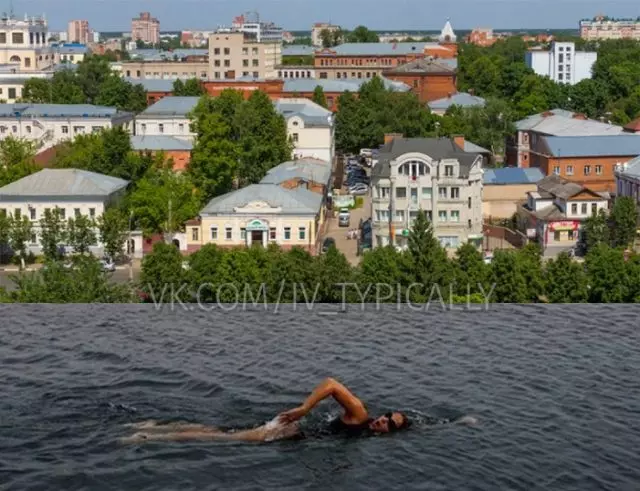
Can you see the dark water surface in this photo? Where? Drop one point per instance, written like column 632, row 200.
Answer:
column 556, row 390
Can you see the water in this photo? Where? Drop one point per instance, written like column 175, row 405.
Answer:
column 555, row 389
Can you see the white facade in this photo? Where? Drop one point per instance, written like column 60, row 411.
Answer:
column 178, row 127
column 313, row 142
column 562, row 63
column 24, row 43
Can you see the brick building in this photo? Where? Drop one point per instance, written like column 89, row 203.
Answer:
column 175, row 149
column 145, row 28
column 482, row 37
column 430, row 79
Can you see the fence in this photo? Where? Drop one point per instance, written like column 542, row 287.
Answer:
column 497, row 237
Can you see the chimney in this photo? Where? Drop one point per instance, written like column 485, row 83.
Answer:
column 449, row 95
column 546, row 114
column 390, row 136
column 582, row 116
column 471, row 91
column 459, row 141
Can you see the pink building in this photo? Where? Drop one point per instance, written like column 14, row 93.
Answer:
column 78, row 32
column 145, row 28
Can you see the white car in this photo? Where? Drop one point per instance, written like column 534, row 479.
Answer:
column 359, row 189
column 108, row 266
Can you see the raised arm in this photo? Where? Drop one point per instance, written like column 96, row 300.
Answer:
column 355, row 412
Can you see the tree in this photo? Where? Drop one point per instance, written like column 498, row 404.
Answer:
column 114, row 91
column 319, row 97
column 162, row 272
column 5, row 233
column 470, row 271
column 382, row 266
column 606, row 275
column 113, row 227
column 565, row 280
column 192, row 87
column 20, row 233
column 595, row 230
column 53, row 233
column 624, row 222
column 81, row 233
column 37, row 91
column 506, row 275
column 16, row 159
column 362, row 35
column 333, row 269
column 90, row 74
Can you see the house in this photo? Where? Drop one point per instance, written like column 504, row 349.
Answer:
column 524, row 147
column 506, row 188
column 461, row 99
column 311, row 174
column 633, row 126
column 627, row 177
column 48, row 124
column 174, row 149
column 432, row 174
column 169, row 116
column 429, row 78
column 587, row 160
column 555, row 212
column 76, row 192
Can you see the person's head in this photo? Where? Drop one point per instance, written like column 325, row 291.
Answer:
column 390, row 422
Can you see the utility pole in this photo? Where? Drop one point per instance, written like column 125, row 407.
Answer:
column 130, row 247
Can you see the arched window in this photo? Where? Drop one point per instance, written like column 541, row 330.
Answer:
column 414, row 168
column 15, row 59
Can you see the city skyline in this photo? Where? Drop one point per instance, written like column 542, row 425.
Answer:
column 407, row 14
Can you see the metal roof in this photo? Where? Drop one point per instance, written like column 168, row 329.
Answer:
column 159, row 55
column 171, row 106
column 342, row 85
column 512, row 175
column 312, row 114
column 292, row 201
column 593, row 146
column 56, row 110
column 378, row 49
column 56, row 183
column 152, row 84
column 471, row 147
column 298, row 50
column 159, row 142
column 460, row 99
column 425, row 65
column 314, row 170
column 632, row 168
column 559, row 122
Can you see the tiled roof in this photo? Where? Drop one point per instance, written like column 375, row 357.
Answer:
column 593, row 146
column 292, row 201
column 152, row 84
column 512, row 175
column 378, row 49
column 633, row 125
column 314, row 170
column 311, row 113
column 170, row 106
column 559, row 122
column 424, row 65
column 343, row 85
column 159, row 142
column 56, row 110
column 56, row 183
column 460, row 99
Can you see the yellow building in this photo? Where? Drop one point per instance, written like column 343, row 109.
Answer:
column 23, row 43
column 504, row 189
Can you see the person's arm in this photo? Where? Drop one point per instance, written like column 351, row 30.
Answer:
column 353, row 407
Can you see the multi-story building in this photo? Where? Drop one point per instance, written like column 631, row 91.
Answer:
column 157, row 64
column 429, row 79
column 460, row 99
column 145, row 28
column 261, row 32
column 23, row 44
column 523, row 148
column 627, row 177
column 12, row 83
column 482, row 37
column 48, row 124
column 234, row 55
column 562, row 63
column 316, row 31
column 602, row 27
column 79, row 32
column 71, row 53
column 431, row 174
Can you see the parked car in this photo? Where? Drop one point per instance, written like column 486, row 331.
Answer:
column 359, row 189
column 488, row 257
column 344, row 217
column 328, row 243
column 108, row 266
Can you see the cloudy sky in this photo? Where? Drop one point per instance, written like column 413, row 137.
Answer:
column 115, row 15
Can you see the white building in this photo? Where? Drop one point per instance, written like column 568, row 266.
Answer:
column 262, row 32
column 75, row 192
column 431, row 174
column 48, row 124
column 562, row 63
column 316, row 31
column 24, row 43
column 628, row 179
column 309, row 125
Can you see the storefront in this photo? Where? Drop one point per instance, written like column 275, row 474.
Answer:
column 564, row 232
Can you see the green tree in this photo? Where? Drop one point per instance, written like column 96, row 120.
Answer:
column 20, row 234
column 333, row 269
column 565, row 280
column 114, row 91
column 203, row 272
column 470, row 271
column 362, row 35
column 319, row 97
column 163, row 273
column 192, row 87
column 37, row 91
column 81, row 233
column 510, row 285
column 113, row 227
column 624, row 222
column 90, row 74
column 5, row 234
column 530, row 265
column 53, row 233
column 595, row 230
column 383, row 266
column 606, row 273
column 16, row 159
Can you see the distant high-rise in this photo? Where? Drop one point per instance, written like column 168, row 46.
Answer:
column 145, row 28
column 562, row 63
column 78, row 32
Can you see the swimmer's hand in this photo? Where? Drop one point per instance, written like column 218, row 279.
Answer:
column 293, row 414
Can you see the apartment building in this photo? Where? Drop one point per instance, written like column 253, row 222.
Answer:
column 601, row 27
column 48, row 124
column 316, row 31
column 562, row 63
column 483, row 37
column 78, row 31
column 23, row 44
column 145, row 28
column 261, row 32
column 432, row 174
column 234, row 55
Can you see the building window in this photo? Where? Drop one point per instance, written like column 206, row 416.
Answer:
column 399, row 215
column 245, row 51
column 584, row 208
column 442, row 216
column 302, row 233
column 556, row 170
column 272, row 233
column 574, row 208
column 594, row 208
column 227, row 51
column 295, row 137
column 469, row 224
column 556, row 236
column 455, row 193
column 194, row 234
column 216, row 51
column 587, row 170
column 256, row 75
column 228, row 234
column 254, row 51
column 426, row 193
column 598, row 170
column 76, row 212
column 92, row 212
column 32, row 213
column 28, row 129
column 245, row 62
column 63, row 213
column 214, row 233
column 323, row 75
column 243, row 233
column 17, row 38
column 160, row 128
column 469, row 202
column 287, row 233
column 245, row 74
column 227, row 63
column 14, row 129
column 448, row 170
column 571, row 235
column 255, row 62
column 65, row 130
column 569, row 170
column 455, row 216
column 401, row 193
column 442, row 193
column 216, row 63
column 216, row 75
column 78, row 129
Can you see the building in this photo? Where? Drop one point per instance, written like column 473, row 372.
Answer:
column 155, row 89
column 430, row 79
column 48, row 124
column 587, row 160
column 312, row 174
column 145, row 28
column 482, row 37
column 79, row 32
column 601, row 27
column 293, row 71
column 76, row 192
column 234, row 55
column 311, row 128
column 260, row 214
column 554, row 213
column 167, row 117
column 431, row 174
column 524, row 146
column 12, row 83
column 562, row 63
column 24, row 44
column 633, row 126
column 176, row 150
column 460, row 99
column 260, row 32
column 171, row 66
column 71, row 53
column 316, row 31
column 628, row 180
column 504, row 189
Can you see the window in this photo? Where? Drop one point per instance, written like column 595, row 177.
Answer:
column 12, row 93
column 455, row 216
column 143, row 128
column 17, row 38
column 245, row 51
column 245, row 74
column 560, row 58
column 455, row 193
column 32, row 213
column 556, row 235
column 594, row 208
column 442, row 193
column 448, row 170
column 214, row 233
column 256, row 75
column 323, row 75
column 442, row 216
column 216, row 63
column 63, row 213
column 160, row 128
column 383, row 192
column 254, row 51
column 227, row 63
column 228, row 233
column 76, row 212
column 401, row 193
column 194, row 234
column 556, row 170
column 34, row 238
column 14, row 129
column 216, row 75
column 65, row 129
column 574, row 208
column 28, row 129
column 584, row 208
column 469, row 224
column 587, row 170
column 399, row 215
column 426, row 193
column 302, row 233
column 571, row 235
column 78, row 129
column 287, row 233
column 560, row 77
column 245, row 62
column 181, row 128
column 227, row 51
column 272, row 234
column 243, row 233
column 3, row 38
column 598, row 170
column 255, row 62
column 92, row 212
column 469, row 202
column 295, row 137
column 449, row 242
column 569, row 170
column 216, row 51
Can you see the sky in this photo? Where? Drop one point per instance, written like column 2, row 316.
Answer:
column 115, row 15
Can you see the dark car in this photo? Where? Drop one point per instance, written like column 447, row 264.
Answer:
column 328, row 243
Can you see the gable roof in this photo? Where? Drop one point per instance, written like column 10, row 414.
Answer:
column 306, row 169
column 556, row 186
column 297, row 201
column 459, row 99
column 57, row 183
column 170, row 106
column 512, row 175
column 159, row 143
column 424, row 65
column 593, row 146
column 633, row 125
column 312, row 114
column 559, row 122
